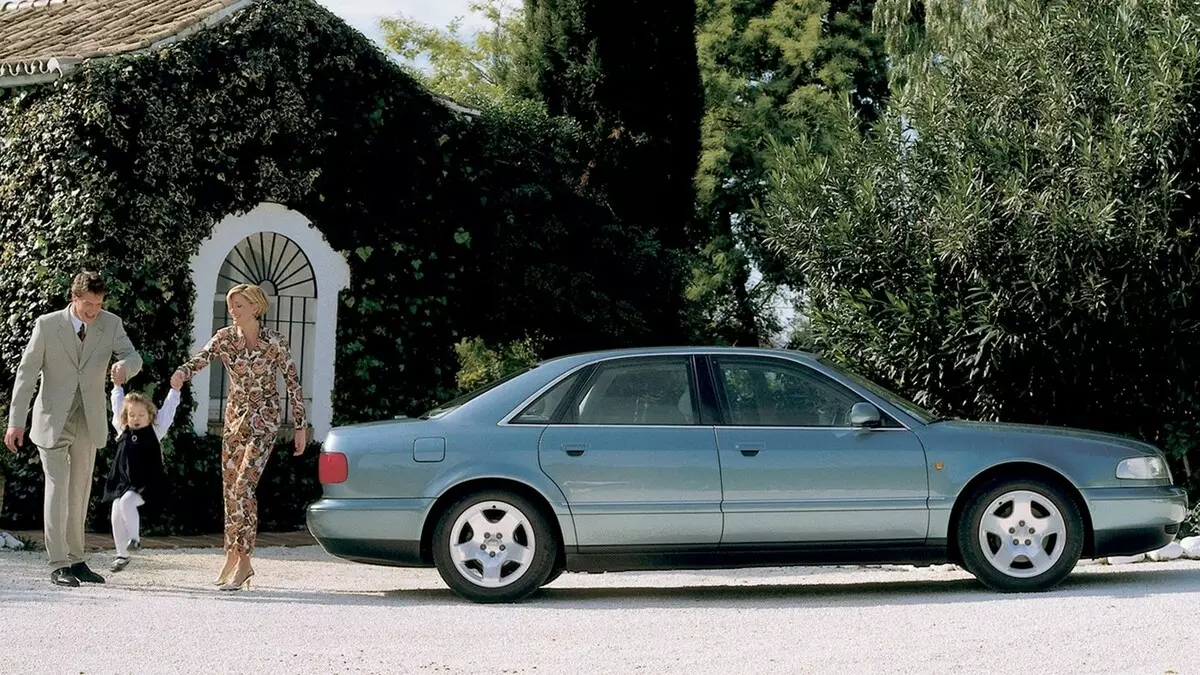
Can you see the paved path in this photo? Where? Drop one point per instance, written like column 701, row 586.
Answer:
column 310, row 613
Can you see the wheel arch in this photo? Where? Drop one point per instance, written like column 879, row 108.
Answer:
column 447, row 499
column 1016, row 471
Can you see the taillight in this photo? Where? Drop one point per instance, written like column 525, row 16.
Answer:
column 332, row 468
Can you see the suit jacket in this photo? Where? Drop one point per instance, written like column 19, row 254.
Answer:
column 65, row 368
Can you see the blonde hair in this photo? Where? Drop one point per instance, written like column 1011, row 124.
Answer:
column 254, row 295
column 134, row 398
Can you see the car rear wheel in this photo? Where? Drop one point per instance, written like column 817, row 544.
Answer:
column 493, row 546
column 1020, row 535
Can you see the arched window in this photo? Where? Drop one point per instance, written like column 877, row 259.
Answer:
column 285, row 274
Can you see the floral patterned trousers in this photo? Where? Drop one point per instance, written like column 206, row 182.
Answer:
column 242, row 462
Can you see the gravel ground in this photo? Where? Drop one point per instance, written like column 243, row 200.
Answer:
column 313, row 613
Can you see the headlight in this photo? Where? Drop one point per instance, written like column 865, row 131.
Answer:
column 1142, row 468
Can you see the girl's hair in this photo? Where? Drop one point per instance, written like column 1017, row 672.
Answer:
column 134, row 398
column 254, row 295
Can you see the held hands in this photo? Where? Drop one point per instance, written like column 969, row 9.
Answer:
column 118, row 375
column 177, row 380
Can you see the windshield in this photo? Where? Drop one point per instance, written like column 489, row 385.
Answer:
column 895, row 399
column 451, row 405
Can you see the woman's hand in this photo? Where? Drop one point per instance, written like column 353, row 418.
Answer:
column 300, row 436
column 177, row 380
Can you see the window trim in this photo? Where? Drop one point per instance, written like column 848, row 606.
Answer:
column 557, row 414
column 689, row 361
column 890, row 423
column 693, row 356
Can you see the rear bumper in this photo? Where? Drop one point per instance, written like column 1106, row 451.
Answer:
column 1128, row 521
column 371, row 531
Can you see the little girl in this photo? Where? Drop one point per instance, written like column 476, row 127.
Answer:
column 137, row 468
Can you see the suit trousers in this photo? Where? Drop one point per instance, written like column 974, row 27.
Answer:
column 68, row 466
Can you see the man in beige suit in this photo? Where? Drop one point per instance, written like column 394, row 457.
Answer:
column 70, row 349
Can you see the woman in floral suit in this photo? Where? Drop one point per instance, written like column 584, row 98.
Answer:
column 253, row 356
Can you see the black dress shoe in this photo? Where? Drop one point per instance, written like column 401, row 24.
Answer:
column 86, row 575
column 63, row 577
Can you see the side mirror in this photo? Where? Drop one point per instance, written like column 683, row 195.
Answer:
column 865, row 415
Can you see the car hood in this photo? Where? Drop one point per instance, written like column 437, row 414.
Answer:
column 1062, row 433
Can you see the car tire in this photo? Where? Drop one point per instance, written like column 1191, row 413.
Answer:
column 1020, row 535
column 510, row 559
column 554, row 574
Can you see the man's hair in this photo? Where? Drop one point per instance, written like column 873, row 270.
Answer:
column 88, row 282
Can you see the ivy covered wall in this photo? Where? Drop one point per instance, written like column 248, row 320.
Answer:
column 453, row 224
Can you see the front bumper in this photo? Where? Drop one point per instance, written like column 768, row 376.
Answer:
column 1128, row 521
column 371, row 531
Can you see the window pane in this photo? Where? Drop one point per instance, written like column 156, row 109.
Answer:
column 769, row 394
column 465, row 398
column 645, row 392
column 281, row 268
column 541, row 410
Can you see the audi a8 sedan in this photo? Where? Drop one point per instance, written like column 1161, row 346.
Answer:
column 694, row 458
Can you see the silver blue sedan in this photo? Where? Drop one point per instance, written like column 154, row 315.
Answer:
column 656, row 459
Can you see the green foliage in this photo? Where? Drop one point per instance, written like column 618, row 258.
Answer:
column 553, row 260
column 726, row 307
column 771, row 69
column 480, row 364
column 1191, row 525
column 126, row 165
column 627, row 72
column 1015, row 239
column 466, row 69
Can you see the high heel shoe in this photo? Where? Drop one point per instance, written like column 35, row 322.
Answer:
column 236, row 584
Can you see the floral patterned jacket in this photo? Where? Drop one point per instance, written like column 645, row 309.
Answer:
column 253, row 374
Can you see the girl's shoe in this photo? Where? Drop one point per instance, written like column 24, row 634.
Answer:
column 237, row 583
column 119, row 564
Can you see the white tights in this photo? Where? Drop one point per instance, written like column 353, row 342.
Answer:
column 125, row 521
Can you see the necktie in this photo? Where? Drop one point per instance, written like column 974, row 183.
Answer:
column 82, row 331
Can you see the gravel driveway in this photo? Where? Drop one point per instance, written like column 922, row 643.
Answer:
column 315, row 614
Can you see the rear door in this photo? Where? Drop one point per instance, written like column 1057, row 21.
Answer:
column 631, row 454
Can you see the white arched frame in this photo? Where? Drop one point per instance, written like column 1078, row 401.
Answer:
column 332, row 275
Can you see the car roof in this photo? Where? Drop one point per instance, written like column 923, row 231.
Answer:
column 685, row 350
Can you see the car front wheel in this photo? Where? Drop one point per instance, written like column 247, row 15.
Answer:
column 493, row 546
column 1020, row 535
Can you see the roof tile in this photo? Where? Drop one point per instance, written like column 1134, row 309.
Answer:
column 36, row 30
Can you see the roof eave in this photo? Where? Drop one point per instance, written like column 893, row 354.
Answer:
column 37, row 71
column 209, row 21
column 40, row 71
column 471, row 112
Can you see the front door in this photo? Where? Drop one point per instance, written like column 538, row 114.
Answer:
column 795, row 471
column 632, row 458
